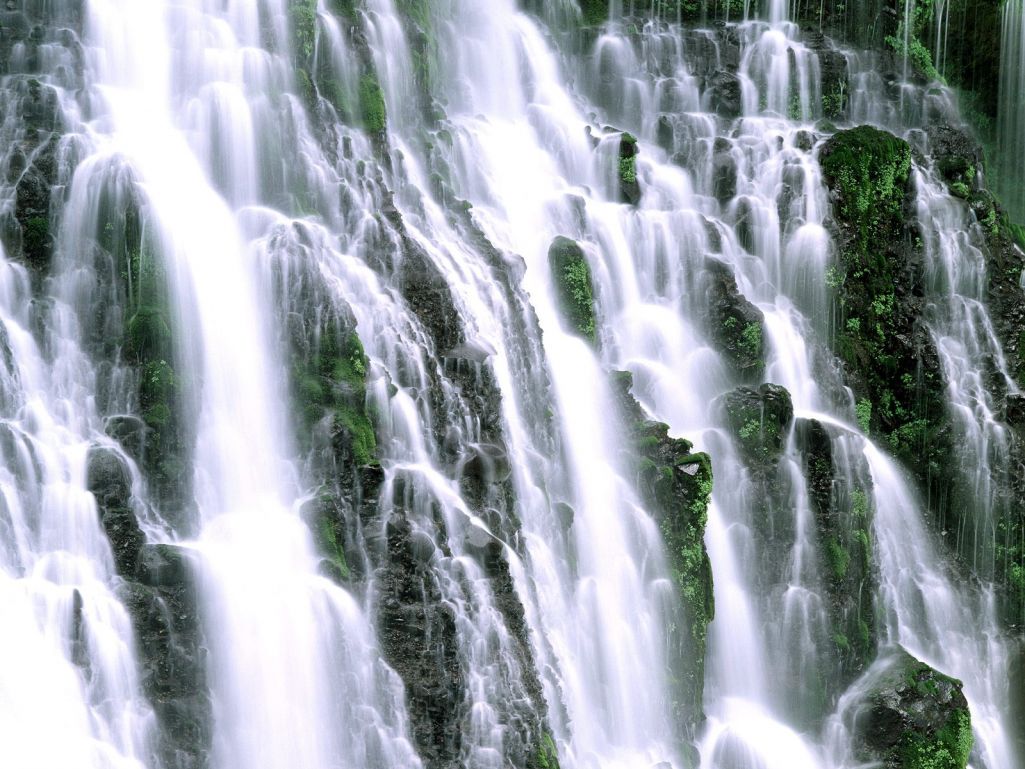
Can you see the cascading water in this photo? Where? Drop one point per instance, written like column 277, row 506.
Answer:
column 425, row 515
column 1011, row 115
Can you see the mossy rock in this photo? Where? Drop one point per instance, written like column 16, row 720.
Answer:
column 629, row 185
column 870, row 169
column 759, row 419
column 733, row 323
column 914, row 717
column 676, row 484
column 325, row 517
column 371, row 99
column 574, row 286
column 888, row 352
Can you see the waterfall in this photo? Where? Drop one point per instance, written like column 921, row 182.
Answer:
column 487, row 385
column 1010, row 116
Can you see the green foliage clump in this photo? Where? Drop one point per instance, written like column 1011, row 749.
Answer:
column 916, row 53
column 751, row 340
column 332, row 382
column 863, row 412
column 371, row 99
column 871, row 169
column 303, row 15
column 547, row 753
column 838, row 559
column 948, row 748
column 573, row 285
column 628, row 149
column 594, row 12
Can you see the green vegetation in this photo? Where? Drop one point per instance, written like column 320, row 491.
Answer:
column 371, row 99
column 571, row 275
column 871, row 169
column 332, row 382
column 303, row 15
column 898, row 397
column 676, row 485
column 547, row 753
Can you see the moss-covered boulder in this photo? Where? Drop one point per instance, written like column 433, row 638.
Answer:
column 629, row 186
column 760, row 419
column 735, row 325
column 914, row 717
column 676, row 484
column 574, row 288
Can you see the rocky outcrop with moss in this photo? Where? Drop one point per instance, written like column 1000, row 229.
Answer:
column 914, row 717
column 574, row 288
column 735, row 325
column 676, row 483
column 629, row 186
column 890, row 358
column 842, row 506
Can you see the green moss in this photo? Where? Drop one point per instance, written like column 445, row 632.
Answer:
column 573, row 284
column 332, row 382
column 838, row 560
column 594, row 12
column 627, row 171
column 547, row 753
column 147, row 334
column 863, row 412
column 751, row 343
column 834, row 103
column 871, row 169
column 949, row 748
column 303, row 15
column 371, row 99
column 916, row 53
column 676, row 486
column 327, row 541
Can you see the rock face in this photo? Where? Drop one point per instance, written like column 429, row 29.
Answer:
column 725, row 95
column 914, row 717
column 418, row 638
column 676, row 484
column 168, row 630
column 159, row 593
column 733, row 323
column 889, row 355
column 760, row 419
column 842, row 506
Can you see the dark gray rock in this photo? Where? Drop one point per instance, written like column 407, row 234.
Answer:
column 914, row 716
column 725, row 95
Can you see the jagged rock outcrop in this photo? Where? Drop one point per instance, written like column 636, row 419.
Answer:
column 842, row 506
column 890, row 358
column 735, row 325
column 158, row 590
column 914, row 717
column 676, row 483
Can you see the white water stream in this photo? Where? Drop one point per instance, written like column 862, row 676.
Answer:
column 197, row 99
